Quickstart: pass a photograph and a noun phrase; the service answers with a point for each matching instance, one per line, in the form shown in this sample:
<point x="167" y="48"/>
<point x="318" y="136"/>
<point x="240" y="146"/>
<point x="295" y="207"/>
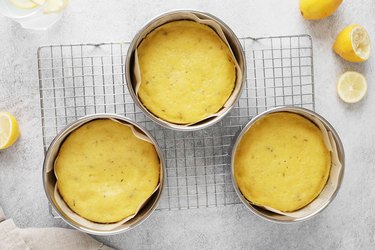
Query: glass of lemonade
<point x="33" y="14"/>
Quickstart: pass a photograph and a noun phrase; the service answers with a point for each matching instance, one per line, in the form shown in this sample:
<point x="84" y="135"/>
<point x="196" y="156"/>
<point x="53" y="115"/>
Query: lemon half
<point x="9" y="130"/>
<point x="351" y="87"/>
<point x="353" y="43"/>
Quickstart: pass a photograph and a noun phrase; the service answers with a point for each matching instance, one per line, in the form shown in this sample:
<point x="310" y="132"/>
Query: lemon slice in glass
<point x="9" y="130"/>
<point x="54" y="6"/>
<point x="351" y="87"/>
<point x="24" y="4"/>
<point x="353" y="43"/>
<point x="39" y="2"/>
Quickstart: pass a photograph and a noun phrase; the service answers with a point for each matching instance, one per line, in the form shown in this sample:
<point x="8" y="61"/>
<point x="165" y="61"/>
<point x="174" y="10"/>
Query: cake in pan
<point x="282" y="162"/>
<point x="187" y="72"/>
<point x="104" y="172"/>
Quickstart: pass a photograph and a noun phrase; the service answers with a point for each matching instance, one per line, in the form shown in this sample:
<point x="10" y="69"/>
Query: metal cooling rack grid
<point x="77" y="80"/>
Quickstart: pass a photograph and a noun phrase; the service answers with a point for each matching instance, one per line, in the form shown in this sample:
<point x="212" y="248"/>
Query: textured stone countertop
<point x="348" y="223"/>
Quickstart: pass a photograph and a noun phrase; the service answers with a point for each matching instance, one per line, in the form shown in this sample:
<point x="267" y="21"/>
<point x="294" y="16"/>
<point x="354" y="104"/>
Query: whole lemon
<point x="318" y="9"/>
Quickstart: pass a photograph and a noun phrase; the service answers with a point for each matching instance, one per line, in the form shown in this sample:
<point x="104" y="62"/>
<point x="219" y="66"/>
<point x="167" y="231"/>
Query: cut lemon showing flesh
<point x="353" y="43"/>
<point x="9" y="130"/>
<point x="54" y="6"/>
<point x="351" y="87"/>
<point x="24" y="4"/>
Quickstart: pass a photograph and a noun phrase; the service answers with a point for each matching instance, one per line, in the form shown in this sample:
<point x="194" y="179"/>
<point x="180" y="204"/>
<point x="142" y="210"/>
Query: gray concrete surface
<point x="348" y="223"/>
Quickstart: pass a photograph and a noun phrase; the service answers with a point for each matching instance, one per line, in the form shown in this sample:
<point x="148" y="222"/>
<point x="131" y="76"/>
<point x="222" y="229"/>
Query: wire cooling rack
<point x="81" y="79"/>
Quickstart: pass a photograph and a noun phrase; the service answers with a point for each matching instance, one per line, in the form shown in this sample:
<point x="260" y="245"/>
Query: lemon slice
<point x="24" y="4"/>
<point x="351" y="87"/>
<point x="9" y="131"/>
<point x="54" y="6"/>
<point x="353" y="43"/>
<point x="39" y="2"/>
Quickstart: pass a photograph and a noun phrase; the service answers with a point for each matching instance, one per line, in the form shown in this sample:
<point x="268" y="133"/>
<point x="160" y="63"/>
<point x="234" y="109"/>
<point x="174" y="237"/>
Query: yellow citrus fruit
<point x="54" y="6"/>
<point x="9" y="130"/>
<point x="351" y="87"/>
<point x="353" y="43"/>
<point x="318" y="9"/>
<point x="24" y="4"/>
<point x="39" y="2"/>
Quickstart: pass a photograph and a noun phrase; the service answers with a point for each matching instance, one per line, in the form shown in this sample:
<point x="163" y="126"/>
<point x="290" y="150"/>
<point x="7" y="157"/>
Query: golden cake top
<point x="187" y="72"/>
<point x="104" y="172"/>
<point x="282" y="162"/>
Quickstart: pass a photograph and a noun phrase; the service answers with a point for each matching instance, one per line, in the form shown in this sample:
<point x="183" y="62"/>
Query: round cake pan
<point x="49" y="179"/>
<point x="232" y="39"/>
<point x="264" y="213"/>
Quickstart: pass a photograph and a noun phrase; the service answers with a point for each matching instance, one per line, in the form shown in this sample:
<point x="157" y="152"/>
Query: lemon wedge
<point x="9" y="130"/>
<point x="351" y="87"/>
<point x="353" y="43"/>
<point x="24" y="4"/>
<point x="54" y="6"/>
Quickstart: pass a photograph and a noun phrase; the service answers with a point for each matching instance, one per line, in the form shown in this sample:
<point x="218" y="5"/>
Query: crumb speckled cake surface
<point x="105" y="172"/>
<point x="282" y="162"/>
<point x="187" y="72"/>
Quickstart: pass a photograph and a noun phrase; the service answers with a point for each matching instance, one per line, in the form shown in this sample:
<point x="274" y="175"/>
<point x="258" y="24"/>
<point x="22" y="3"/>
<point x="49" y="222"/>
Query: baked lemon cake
<point x="104" y="172"/>
<point x="282" y="162"/>
<point x="187" y="72"/>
